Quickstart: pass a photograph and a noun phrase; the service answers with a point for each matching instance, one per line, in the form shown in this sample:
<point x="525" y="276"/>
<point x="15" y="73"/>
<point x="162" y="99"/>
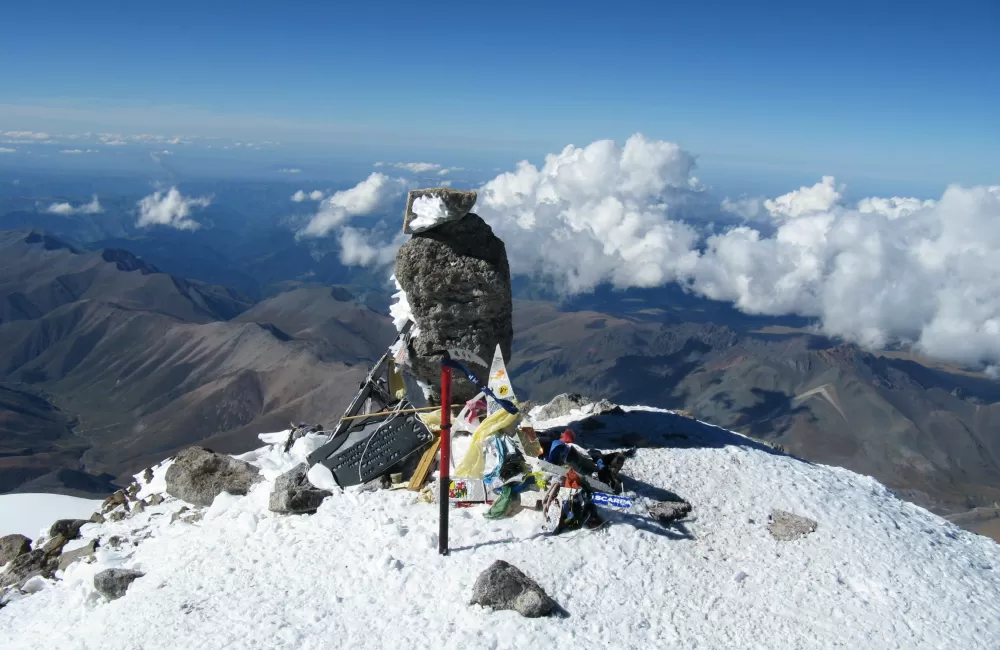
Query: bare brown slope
<point x="932" y="435"/>
<point x="138" y="363"/>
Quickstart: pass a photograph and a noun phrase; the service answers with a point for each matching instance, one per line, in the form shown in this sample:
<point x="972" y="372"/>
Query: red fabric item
<point x="568" y="436"/>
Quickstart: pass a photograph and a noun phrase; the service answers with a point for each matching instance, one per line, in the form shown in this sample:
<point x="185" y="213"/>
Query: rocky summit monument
<point x="456" y="277"/>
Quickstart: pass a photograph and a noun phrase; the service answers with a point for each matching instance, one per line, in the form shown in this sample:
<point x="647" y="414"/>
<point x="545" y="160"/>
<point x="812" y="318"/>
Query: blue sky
<point x="902" y="92"/>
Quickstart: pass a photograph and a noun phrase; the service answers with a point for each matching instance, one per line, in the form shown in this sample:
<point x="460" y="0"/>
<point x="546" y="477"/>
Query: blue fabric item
<point x="558" y="453"/>
<point x="506" y="404"/>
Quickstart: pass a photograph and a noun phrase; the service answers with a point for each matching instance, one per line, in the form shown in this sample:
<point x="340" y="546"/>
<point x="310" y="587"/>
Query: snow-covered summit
<point x="363" y="572"/>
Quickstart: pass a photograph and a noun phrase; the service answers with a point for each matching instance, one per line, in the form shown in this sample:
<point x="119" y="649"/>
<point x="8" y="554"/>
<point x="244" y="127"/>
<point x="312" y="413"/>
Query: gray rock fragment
<point x="97" y="518"/>
<point x="31" y="564"/>
<point x="785" y="527"/>
<point x="560" y="406"/>
<point x="69" y="557"/>
<point x="138" y="506"/>
<point x="457" y="283"/>
<point x="155" y="500"/>
<point x="113" y="501"/>
<point x="12" y="546"/>
<point x="54" y="546"/>
<point x="68" y="528"/>
<point x="113" y="583"/>
<point x="294" y="494"/>
<point x="504" y="586"/>
<point x="199" y="475"/>
<point x="147" y="476"/>
<point x="668" y="511"/>
<point x="456" y="203"/>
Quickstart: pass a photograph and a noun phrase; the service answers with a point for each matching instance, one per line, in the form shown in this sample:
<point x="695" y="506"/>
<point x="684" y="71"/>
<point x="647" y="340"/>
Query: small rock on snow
<point x="12" y="546"/>
<point x="294" y="494"/>
<point x="69" y="557"/>
<point x="668" y="511"/>
<point x="199" y="475"/>
<point x="785" y="526"/>
<point x="504" y="586"/>
<point x="113" y="583"/>
<point x="68" y="528"/>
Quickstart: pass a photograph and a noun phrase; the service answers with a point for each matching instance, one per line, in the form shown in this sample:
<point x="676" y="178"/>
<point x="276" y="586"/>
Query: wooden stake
<point x="424" y="409"/>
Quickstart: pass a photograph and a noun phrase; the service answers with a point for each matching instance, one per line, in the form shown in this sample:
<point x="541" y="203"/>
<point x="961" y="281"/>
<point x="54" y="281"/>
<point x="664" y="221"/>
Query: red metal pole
<point x="445" y="480"/>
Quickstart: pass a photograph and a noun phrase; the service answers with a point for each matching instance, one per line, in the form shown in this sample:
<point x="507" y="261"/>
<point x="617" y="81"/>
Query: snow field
<point x="363" y="572"/>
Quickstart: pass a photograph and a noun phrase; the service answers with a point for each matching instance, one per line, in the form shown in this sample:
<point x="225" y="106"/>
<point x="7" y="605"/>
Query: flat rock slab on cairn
<point x="457" y="282"/>
<point x="198" y="475"/>
<point x="504" y="586"/>
<point x="431" y="207"/>
<point x="785" y="526"/>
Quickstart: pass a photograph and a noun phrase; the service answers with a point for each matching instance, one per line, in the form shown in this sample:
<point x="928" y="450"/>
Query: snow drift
<point x="364" y="572"/>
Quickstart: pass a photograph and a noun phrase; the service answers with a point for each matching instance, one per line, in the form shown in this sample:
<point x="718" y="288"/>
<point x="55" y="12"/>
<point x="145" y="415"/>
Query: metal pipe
<point x="444" y="486"/>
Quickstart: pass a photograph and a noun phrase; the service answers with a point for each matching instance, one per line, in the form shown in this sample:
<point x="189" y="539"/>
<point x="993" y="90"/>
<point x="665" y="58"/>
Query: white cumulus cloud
<point x="361" y="248"/>
<point x="413" y="167"/>
<point x="370" y="196"/>
<point x="170" y="208"/>
<point x="94" y="207"/>
<point x="78" y="151"/>
<point x="7" y="150"/>
<point x="27" y="134"/>
<point x="600" y="213"/>
<point x="879" y="270"/>
<point x="302" y="195"/>
<point x="287" y="170"/>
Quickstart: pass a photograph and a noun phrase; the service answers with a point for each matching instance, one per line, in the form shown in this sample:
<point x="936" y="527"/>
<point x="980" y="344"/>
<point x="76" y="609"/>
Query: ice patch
<point x="158" y="484"/>
<point x="321" y="476"/>
<point x="430" y="211"/>
<point x="221" y="505"/>
<point x="400" y="312"/>
<point x="31" y="514"/>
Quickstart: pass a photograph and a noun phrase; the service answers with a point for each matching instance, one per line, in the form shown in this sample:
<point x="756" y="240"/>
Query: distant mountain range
<point x="107" y="364"/>
<point x="929" y="431"/>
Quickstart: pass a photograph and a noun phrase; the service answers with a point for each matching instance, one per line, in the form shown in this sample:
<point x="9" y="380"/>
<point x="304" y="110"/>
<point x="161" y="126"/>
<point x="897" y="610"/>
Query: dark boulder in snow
<point x="68" y="528"/>
<point x="504" y="586"/>
<point x="457" y="283"/>
<point x="785" y="526"/>
<point x="199" y="475"/>
<point x="31" y="564"/>
<point x="294" y="494"/>
<point x="113" y="583"/>
<point x="12" y="546"/>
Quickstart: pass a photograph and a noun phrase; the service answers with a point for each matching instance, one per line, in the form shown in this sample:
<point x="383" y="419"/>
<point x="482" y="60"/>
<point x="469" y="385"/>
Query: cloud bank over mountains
<point x="94" y="207"/>
<point x="170" y="208"/>
<point x="881" y="270"/>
